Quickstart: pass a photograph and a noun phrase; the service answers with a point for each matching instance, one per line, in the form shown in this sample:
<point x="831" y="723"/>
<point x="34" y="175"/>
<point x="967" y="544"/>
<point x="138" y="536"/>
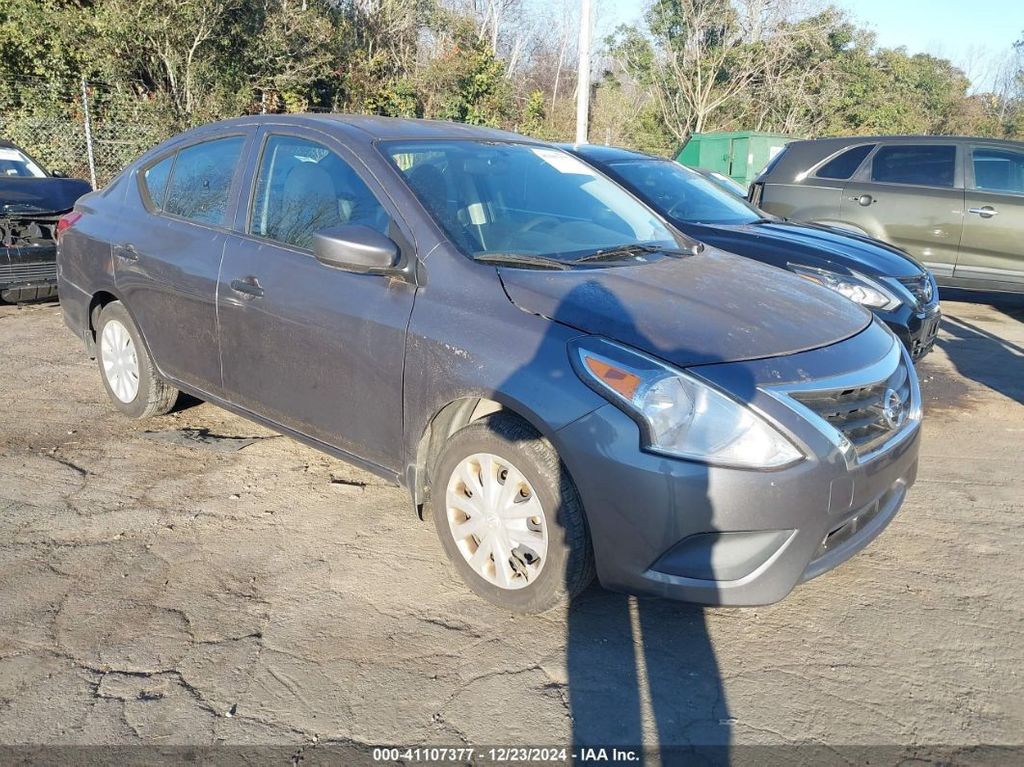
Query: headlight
<point x="678" y="414"/>
<point x="863" y="290"/>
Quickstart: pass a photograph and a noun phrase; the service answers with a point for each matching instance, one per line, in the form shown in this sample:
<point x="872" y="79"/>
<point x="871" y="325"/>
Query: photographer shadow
<point x="642" y="672"/>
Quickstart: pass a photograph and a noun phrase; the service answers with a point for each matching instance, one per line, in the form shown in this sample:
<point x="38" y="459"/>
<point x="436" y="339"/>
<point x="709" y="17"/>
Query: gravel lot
<point x="172" y="588"/>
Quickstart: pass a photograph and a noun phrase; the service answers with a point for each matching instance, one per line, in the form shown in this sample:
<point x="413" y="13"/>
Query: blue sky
<point x="972" y="34"/>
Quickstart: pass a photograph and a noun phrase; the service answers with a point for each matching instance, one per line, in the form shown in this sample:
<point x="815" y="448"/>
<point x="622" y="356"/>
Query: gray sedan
<point x="563" y="382"/>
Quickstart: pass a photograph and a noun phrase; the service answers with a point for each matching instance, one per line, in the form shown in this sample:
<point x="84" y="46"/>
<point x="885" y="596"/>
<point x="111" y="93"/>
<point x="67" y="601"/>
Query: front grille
<point x="920" y="287"/>
<point x="859" y="413"/>
<point x="11" y="274"/>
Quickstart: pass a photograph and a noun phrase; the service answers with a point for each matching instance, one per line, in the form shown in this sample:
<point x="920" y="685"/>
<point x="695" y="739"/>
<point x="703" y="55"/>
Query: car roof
<point x="602" y="153"/>
<point x="903" y="139"/>
<point x="801" y="155"/>
<point x="369" y="127"/>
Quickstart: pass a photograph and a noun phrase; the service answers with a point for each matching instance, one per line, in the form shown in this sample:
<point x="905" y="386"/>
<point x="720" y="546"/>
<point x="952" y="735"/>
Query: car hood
<point x="39" y="196"/>
<point x="782" y="242"/>
<point x="711" y="307"/>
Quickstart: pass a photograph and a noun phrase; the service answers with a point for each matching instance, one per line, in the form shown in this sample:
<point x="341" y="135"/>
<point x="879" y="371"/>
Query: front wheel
<point x="509" y="517"/>
<point x="128" y="373"/>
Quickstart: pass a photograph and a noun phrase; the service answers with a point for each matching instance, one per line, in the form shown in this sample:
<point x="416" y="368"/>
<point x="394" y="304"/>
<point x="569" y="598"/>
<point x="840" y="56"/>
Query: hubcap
<point x="120" y="362"/>
<point x="497" y="521"/>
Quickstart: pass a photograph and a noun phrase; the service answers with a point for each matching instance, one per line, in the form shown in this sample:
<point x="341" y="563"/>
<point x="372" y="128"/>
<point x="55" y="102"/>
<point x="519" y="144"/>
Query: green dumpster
<point x="740" y="155"/>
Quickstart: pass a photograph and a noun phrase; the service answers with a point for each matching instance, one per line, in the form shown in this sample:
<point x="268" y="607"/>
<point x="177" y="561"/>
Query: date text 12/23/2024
<point x="505" y="754"/>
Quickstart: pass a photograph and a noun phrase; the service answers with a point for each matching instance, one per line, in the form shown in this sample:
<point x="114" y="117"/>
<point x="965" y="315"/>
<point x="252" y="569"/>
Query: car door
<point x="912" y="196"/>
<point x="992" y="248"/>
<point x="314" y="348"/>
<point x="167" y="258"/>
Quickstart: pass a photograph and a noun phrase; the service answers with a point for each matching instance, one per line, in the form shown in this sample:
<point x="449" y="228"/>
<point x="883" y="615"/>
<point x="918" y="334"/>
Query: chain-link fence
<point x="85" y="130"/>
<point x="70" y="128"/>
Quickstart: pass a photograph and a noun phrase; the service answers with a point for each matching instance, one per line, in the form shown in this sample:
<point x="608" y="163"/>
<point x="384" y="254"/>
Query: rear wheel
<point x="509" y="517"/>
<point x="21" y="295"/>
<point x="128" y="373"/>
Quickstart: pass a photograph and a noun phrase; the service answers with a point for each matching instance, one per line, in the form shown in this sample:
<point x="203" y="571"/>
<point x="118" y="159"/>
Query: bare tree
<point x="701" y="55"/>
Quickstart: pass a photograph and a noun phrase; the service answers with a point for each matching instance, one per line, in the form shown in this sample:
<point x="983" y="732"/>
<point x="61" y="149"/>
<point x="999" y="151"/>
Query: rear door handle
<point x="126" y="251"/>
<point x="863" y="199"/>
<point x="986" y="212"/>
<point x="249" y="287"/>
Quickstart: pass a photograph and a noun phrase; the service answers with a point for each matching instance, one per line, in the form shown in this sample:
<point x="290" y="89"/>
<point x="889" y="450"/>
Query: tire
<point x="567" y="564"/>
<point x="151" y="395"/>
<point x="21" y="295"/>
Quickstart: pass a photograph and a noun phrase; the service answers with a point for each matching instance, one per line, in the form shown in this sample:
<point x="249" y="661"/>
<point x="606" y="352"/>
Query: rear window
<point x="201" y="180"/>
<point x="845" y="164"/>
<point x="14" y="163"/>
<point x="920" y="165"/>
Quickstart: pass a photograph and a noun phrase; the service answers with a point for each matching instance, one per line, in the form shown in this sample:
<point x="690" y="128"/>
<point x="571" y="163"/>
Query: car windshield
<point x="683" y="195"/>
<point x="14" y="163"/>
<point x="728" y="184"/>
<point x="505" y="198"/>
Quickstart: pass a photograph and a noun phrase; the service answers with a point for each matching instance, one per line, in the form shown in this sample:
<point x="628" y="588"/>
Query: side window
<point x="922" y="165"/>
<point x="304" y="187"/>
<point x="845" y="164"/>
<point x="154" y="181"/>
<point x="199" y="185"/>
<point x="998" y="170"/>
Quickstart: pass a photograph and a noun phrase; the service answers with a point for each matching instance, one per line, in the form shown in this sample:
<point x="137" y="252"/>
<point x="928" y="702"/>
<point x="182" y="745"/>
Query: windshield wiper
<point x="628" y="251"/>
<point x="521" y="259"/>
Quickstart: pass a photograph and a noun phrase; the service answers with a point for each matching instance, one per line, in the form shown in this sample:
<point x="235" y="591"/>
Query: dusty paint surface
<point x="163" y="591"/>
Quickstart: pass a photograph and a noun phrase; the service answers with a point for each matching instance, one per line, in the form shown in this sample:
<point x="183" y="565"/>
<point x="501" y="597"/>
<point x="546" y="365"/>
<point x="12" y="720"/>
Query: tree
<point x="466" y="82"/>
<point x="163" y="47"/>
<point x="292" y="48"/>
<point x="699" y="57"/>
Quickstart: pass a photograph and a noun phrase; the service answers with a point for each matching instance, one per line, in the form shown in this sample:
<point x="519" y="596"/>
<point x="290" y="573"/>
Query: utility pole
<point x="88" y="134"/>
<point x="583" y="76"/>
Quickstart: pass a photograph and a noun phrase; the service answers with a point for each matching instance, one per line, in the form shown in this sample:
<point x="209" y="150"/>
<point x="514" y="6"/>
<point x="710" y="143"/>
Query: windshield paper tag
<point x="476" y="214"/>
<point x="560" y="161"/>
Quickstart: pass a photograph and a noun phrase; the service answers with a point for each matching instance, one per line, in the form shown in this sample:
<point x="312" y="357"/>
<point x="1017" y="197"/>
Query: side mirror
<point x="355" y="248"/>
<point x="58" y="174"/>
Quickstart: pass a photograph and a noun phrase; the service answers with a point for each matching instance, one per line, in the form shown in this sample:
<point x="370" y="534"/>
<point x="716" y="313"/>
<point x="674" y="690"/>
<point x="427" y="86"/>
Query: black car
<point x="880" y="277"/>
<point x="32" y="199"/>
<point x="735" y="188"/>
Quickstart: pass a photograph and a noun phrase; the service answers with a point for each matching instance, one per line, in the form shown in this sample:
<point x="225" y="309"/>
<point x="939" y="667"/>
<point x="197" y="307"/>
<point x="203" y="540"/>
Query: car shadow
<point x="641" y="672"/>
<point x="979" y="354"/>
<point x="185" y="402"/>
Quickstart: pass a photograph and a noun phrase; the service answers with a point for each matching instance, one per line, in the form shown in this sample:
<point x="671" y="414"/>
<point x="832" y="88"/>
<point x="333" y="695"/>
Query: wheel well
<point x="450" y="419"/>
<point x="99" y="300"/>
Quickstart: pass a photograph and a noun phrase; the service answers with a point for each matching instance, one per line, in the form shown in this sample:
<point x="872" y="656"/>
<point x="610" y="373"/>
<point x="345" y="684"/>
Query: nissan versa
<point x="561" y="380"/>
<point x="900" y="291"/>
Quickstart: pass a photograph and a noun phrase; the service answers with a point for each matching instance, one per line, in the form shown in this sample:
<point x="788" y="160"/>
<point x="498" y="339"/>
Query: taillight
<point x="64" y="223"/>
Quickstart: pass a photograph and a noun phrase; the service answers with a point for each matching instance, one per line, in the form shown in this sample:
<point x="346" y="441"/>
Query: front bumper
<point x="916" y="320"/>
<point x="28" y="267"/>
<point x="724" y="536"/>
<point x="917" y="329"/>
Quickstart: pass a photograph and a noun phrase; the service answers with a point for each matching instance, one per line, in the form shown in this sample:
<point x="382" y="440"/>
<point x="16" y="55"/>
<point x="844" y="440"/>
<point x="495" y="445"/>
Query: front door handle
<point x="863" y="199"/>
<point x="126" y="251"/>
<point x="248" y="287"/>
<point x="986" y="212"/>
